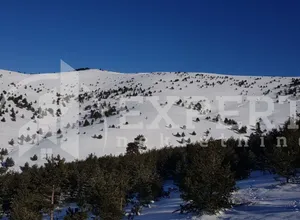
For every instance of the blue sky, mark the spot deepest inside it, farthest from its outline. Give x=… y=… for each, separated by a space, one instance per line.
x=256 y=37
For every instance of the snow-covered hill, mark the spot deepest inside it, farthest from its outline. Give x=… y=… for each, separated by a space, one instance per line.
x=77 y=113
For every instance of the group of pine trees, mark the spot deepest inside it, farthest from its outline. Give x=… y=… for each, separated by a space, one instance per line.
x=103 y=186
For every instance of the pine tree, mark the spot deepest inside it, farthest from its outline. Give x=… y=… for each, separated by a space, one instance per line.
x=283 y=159
x=137 y=146
x=51 y=183
x=86 y=123
x=25 y=206
x=132 y=148
x=25 y=168
x=258 y=129
x=28 y=138
x=208 y=182
x=58 y=131
x=11 y=142
x=106 y=196
x=34 y=157
x=4 y=152
x=243 y=130
x=9 y=162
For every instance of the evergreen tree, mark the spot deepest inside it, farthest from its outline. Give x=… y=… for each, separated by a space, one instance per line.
x=243 y=130
x=25 y=206
x=283 y=159
x=58 y=131
x=137 y=146
x=258 y=130
x=106 y=196
x=207 y=182
x=86 y=123
x=132 y=148
x=11 y=142
x=51 y=183
x=34 y=157
x=9 y=162
x=28 y=138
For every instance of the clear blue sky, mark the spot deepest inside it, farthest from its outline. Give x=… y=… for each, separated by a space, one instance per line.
x=255 y=37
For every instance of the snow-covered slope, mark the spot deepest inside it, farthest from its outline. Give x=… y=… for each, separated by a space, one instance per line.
x=262 y=196
x=157 y=105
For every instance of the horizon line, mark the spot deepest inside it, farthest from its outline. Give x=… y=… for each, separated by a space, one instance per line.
x=100 y=69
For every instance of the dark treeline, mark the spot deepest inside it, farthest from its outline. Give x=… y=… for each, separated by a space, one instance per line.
x=105 y=185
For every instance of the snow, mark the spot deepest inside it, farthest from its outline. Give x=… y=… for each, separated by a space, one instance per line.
x=266 y=198
x=260 y=197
